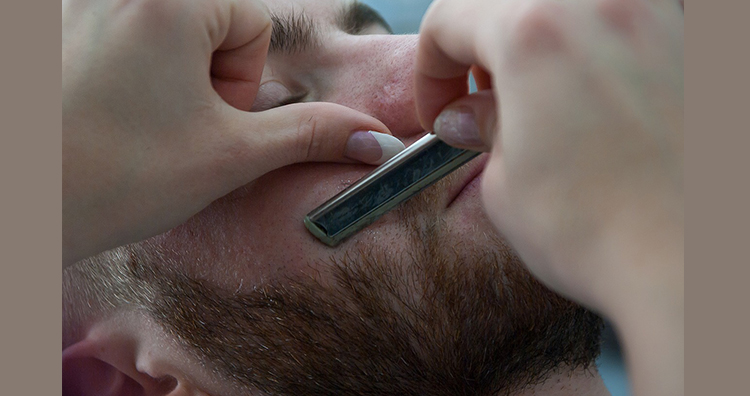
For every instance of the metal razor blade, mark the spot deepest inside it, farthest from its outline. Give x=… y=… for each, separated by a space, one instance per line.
x=400 y=178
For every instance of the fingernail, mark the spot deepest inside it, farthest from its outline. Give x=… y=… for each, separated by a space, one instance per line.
x=372 y=147
x=458 y=126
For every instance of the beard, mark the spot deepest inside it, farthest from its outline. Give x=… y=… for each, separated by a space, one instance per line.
x=435 y=320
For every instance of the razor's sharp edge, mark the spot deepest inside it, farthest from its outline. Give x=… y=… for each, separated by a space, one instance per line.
x=332 y=234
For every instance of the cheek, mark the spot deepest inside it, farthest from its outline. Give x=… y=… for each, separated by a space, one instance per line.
x=374 y=74
x=256 y=234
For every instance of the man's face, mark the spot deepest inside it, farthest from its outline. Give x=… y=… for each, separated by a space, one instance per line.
x=258 y=230
x=426 y=300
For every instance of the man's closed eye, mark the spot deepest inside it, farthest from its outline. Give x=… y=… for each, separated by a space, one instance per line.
x=273 y=94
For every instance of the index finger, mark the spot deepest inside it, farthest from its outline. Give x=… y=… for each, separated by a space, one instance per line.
x=447 y=49
x=240 y=38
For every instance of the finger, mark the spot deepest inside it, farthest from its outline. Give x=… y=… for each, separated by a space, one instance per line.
x=469 y=122
x=306 y=132
x=481 y=77
x=448 y=47
x=444 y=56
x=237 y=64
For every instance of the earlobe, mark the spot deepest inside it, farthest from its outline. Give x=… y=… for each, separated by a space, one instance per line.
x=105 y=363
x=85 y=375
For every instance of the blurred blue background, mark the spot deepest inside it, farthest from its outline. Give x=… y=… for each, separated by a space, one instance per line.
x=404 y=17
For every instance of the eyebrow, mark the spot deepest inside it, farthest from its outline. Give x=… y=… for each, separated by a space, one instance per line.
x=296 y=32
x=356 y=17
x=292 y=33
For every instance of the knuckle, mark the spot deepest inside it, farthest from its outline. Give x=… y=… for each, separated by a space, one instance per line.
x=538 y=27
x=154 y=17
x=434 y=11
x=619 y=14
x=159 y=10
x=308 y=143
x=225 y=155
x=226 y=152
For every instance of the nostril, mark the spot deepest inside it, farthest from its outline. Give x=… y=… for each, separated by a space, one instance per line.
x=165 y=384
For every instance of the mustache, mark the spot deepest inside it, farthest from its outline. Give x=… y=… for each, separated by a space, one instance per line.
x=430 y=198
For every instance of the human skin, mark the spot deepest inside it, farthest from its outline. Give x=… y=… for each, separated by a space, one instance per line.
x=371 y=74
x=272 y=207
x=152 y=124
x=581 y=107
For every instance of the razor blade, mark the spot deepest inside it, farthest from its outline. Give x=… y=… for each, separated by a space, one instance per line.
x=400 y=178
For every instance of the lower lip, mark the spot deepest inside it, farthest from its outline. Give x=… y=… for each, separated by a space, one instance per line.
x=471 y=189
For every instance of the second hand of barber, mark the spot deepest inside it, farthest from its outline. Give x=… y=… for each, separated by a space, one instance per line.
x=581 y=106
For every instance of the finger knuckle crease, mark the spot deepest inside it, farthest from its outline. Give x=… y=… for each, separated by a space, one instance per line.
x=620 y=14
x=308 y=141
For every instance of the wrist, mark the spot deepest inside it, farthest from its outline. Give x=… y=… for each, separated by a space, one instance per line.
x=645 y=301
x=651 y=330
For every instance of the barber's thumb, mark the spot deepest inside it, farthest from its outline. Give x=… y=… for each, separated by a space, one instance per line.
x=469 y=122
x=317 y=132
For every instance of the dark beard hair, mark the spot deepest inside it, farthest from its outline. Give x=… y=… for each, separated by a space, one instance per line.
x=440 y=317
x=426 y=323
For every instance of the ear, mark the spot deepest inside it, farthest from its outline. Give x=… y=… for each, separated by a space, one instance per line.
x=122 y=356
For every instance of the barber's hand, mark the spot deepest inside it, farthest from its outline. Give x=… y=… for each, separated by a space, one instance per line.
x=152 y=124
x=581 y=107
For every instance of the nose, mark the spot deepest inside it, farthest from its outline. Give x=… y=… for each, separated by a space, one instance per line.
x=375 y=75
